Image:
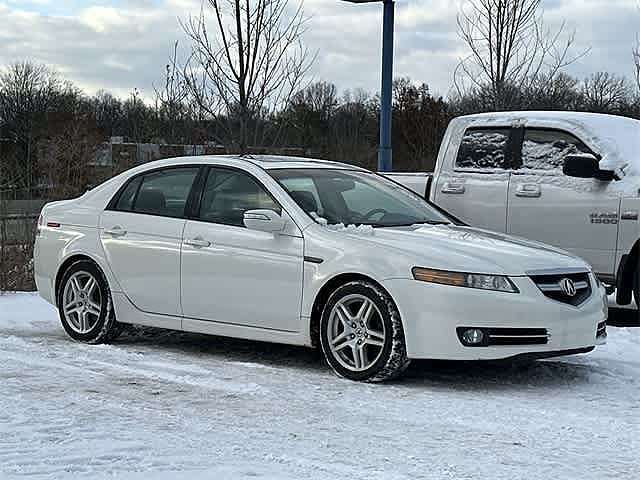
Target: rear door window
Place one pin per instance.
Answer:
(484, 148)
(163, 192)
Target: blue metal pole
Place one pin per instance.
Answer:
(385, 154)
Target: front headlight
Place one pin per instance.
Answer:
(497, 283)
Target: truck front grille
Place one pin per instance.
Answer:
(570, 288)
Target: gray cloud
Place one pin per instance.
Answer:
(125, 46)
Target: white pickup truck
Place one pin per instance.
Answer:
(566, 179)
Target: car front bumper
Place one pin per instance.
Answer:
(431, 315)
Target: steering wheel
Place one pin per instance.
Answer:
(373, 212)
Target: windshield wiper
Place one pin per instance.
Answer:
(412, 224)
(432, 222)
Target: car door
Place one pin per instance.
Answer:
(474, 188)
(575, 214)
(234, 275)
(141, 233)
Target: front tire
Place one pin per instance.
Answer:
(85, 305)
(361, 333)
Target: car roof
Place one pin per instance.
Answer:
(266, 162)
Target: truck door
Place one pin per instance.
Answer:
(474, 185)
(575, 214)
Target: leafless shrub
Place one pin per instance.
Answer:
(605, 92)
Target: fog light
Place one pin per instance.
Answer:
(472, 337)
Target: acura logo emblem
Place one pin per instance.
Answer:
(568, 287)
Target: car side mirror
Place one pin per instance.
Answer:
(585, 165)
(264, 221)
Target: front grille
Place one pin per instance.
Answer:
(509, 336)
(602, 330)
(552, 287)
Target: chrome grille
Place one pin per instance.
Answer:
(509, 336)
(554, 286)
(518, 336)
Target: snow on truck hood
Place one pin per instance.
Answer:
(472, 250)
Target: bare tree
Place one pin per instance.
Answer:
(636, 63)
(510, 47)
(171, 100)
(247, 59)
(604, 92)
(27, 93)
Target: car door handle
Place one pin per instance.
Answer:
(453, 188)
(116, 232)
(197, 242)
(528, 190)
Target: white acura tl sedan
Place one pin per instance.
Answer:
(307, 252)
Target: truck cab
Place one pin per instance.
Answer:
(563, 178)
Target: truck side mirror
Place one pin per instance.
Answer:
(585, 165)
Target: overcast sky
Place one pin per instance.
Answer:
(120, 45)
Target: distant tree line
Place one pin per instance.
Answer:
(52, 129)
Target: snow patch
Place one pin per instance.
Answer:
(168, 406)
(364, 230)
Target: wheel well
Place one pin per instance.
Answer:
(65, 266)
(324, 294)
(626, 275)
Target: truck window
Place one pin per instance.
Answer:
(483, 148)
(545, 149)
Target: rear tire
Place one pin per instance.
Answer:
(636, 290)
(85, 305)
(361, 333)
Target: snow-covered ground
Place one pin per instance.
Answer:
(169, 405)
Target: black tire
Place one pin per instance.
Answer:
(106, 328)
(636, 291)
(392, 360)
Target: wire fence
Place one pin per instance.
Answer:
(17, 234)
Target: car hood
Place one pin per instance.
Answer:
(466, 249)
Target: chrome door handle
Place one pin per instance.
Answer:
(453, 188)
(116, 232)
(197, 242)
(528, 190)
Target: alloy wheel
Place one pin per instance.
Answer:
(356, 332)
(82, 302)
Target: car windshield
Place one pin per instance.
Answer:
(351, 197)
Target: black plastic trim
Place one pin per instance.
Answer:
(313, 260)
(556, 353)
